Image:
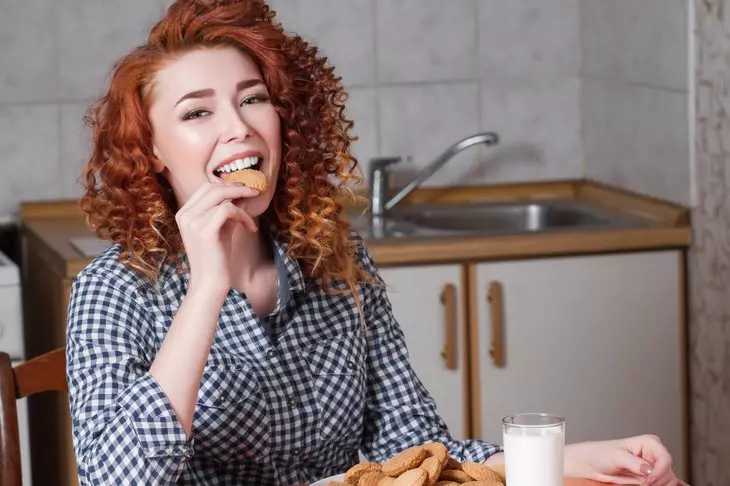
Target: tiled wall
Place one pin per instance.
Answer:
(422, 73)
(54, 57)
(425, 73)
(635, 95)
(710, 255)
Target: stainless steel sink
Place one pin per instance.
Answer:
(489, 218)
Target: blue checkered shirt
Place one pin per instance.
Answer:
(286, 399)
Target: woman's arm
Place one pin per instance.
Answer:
(130, 424)
(178, 366)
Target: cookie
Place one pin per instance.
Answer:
(483, 482)
(455, 476)
(337, 483)
(353, 475)
(481, 472)
(248, 177)
(414, 477)
(403, 461)
(386, 481)
(452, 464)
(438, 450)
(500, 472)
(371, 478)
(432, 465)
(447, 483)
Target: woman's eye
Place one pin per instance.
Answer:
(196, 114)
(251, 100)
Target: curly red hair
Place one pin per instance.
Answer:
(128, 203)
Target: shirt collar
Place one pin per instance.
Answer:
(297, 282)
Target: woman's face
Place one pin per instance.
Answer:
(210, 109)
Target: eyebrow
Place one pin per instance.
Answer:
(207, 93)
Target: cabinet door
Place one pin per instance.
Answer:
(416, 294)
(596, 339)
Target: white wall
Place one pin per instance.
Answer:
(635, 100)
(422, 73)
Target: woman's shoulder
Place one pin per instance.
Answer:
(107, 268)
(363, 257)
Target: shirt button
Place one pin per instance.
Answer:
(270, 352)
(296, 451)
(292, 402)
(351, 365)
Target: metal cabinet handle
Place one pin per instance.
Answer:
(448, 300)
(495, 299)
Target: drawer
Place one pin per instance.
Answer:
(11, 323)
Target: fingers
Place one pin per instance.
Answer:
(228, 211)
(654, 451)
(210, 195)
(634, 464)
(651, 449)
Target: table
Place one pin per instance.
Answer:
(584, 482)
(568, 482)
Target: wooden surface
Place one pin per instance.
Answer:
(584, 482)
(54, 222)
(45, 304)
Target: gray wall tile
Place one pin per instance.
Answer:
(641, 41)
(528, 37)
(636, 137)
(538, 121)
(28, 56)
(342, 30)
(92, 36)
(361, 109)
(75, 148)
(29, 148)
(425, 40)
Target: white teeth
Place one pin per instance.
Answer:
(239, 164)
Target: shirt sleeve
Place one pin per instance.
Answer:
(400, 412)
(124, 428)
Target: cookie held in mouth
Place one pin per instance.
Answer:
(248, 177)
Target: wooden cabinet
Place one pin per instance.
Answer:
(597, 339)
(49, 265)
(428, 303)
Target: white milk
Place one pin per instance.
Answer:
(534, 457)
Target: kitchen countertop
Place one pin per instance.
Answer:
(665, 226)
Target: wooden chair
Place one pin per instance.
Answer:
(46, 372)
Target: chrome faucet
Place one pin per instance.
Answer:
(379, 173)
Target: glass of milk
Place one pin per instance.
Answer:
(533, 449)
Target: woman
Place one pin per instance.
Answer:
(235, 336)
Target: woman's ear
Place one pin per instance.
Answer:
(159, 165)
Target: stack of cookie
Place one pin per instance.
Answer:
(426, 465)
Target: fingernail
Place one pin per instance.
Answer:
(646, 469)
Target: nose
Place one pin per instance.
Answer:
(234, 126)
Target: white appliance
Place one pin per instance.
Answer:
(11, 342)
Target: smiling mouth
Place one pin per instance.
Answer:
(253, 163)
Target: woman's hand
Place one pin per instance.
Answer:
(636, 460)
(206, 222)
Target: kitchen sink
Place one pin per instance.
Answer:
(424, 220)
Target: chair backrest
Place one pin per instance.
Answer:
(46, 372)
